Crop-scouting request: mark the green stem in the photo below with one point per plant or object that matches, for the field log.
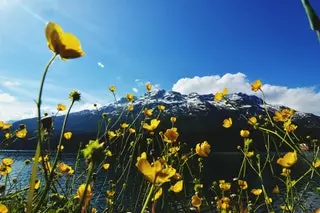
(35, 165)
(147, 200)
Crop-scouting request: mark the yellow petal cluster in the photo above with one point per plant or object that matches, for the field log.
(64, 44)
(288, 160)
(203, 149)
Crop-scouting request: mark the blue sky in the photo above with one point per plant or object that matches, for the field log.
(168, 43)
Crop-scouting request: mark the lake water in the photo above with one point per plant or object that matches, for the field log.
(221, 166)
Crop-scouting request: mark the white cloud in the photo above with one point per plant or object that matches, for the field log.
(6, 98)
(135, 90)
(305, 99)
(100, 64)
(10, 83)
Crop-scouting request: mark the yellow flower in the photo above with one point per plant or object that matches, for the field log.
(177, 187)
(8, 135)
(112, 88)
(224, 186)
(65, 44)
(148, 112)
(285, 172)
(80, 193)
(255, 86)
(61, 147)
(242, 184)
(37, 184)
(316, 163)
(3, 208)
(256, 192)
(155, 172)
(161, 107)
(61, 107)
(268, 200)
(203, 149)
(94, 210)
(227, 123)
(5, 170)
(284, 115)
(244, 133)
(250, 154)
(196, 201)
(67, 135)
(130, 107)
(157, 195)
(7, 161)
(22, 133)
(220, 95)
(288, 159)
(288, 126)
(252, 120)
(108, 153)
(148, 87)
(132, 131)
(171, 135)
(174, 149)
(64, 168)
(111, 134)
(106, 166)
(4, 126)
(124, 125)
(111, 193)
(276, 190)
(130, 97)
(286, 208)
(223, 203)
(173, 119)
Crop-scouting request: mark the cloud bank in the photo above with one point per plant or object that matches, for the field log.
(305, 99)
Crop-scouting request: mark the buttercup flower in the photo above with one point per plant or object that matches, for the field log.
(65, 44)
(112, 88)
(61, 107)
(227, 123)
(161, 107)
(106, 166)
(316, 163)
(220, 95)
(177, 187)
(203, 149)
(155, 172)
(224, 186)
(64, 168)
(148, 112)
(196, 201)
(75, 95)
(288, 126)
(288, 159)
(256, 192)
(171, 135)
(124, 125)
(276, 190)
(252, 120)
(130, 107)
(157, 195)
(22, 133)
(148, 87)
(80, 193)
(3, 208)
(244, 133)
(173, 119)
(242, 184)
(67, 135)
(132, 131)
(255, 86)
(130, 97)
(223, 203)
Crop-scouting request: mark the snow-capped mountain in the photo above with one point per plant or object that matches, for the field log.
(199, 117)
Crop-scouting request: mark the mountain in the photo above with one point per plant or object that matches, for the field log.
(199, 118)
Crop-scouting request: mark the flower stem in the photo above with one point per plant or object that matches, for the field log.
(148, 198)
(40, 137)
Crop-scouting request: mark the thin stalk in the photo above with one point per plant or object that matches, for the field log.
(40, 136)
